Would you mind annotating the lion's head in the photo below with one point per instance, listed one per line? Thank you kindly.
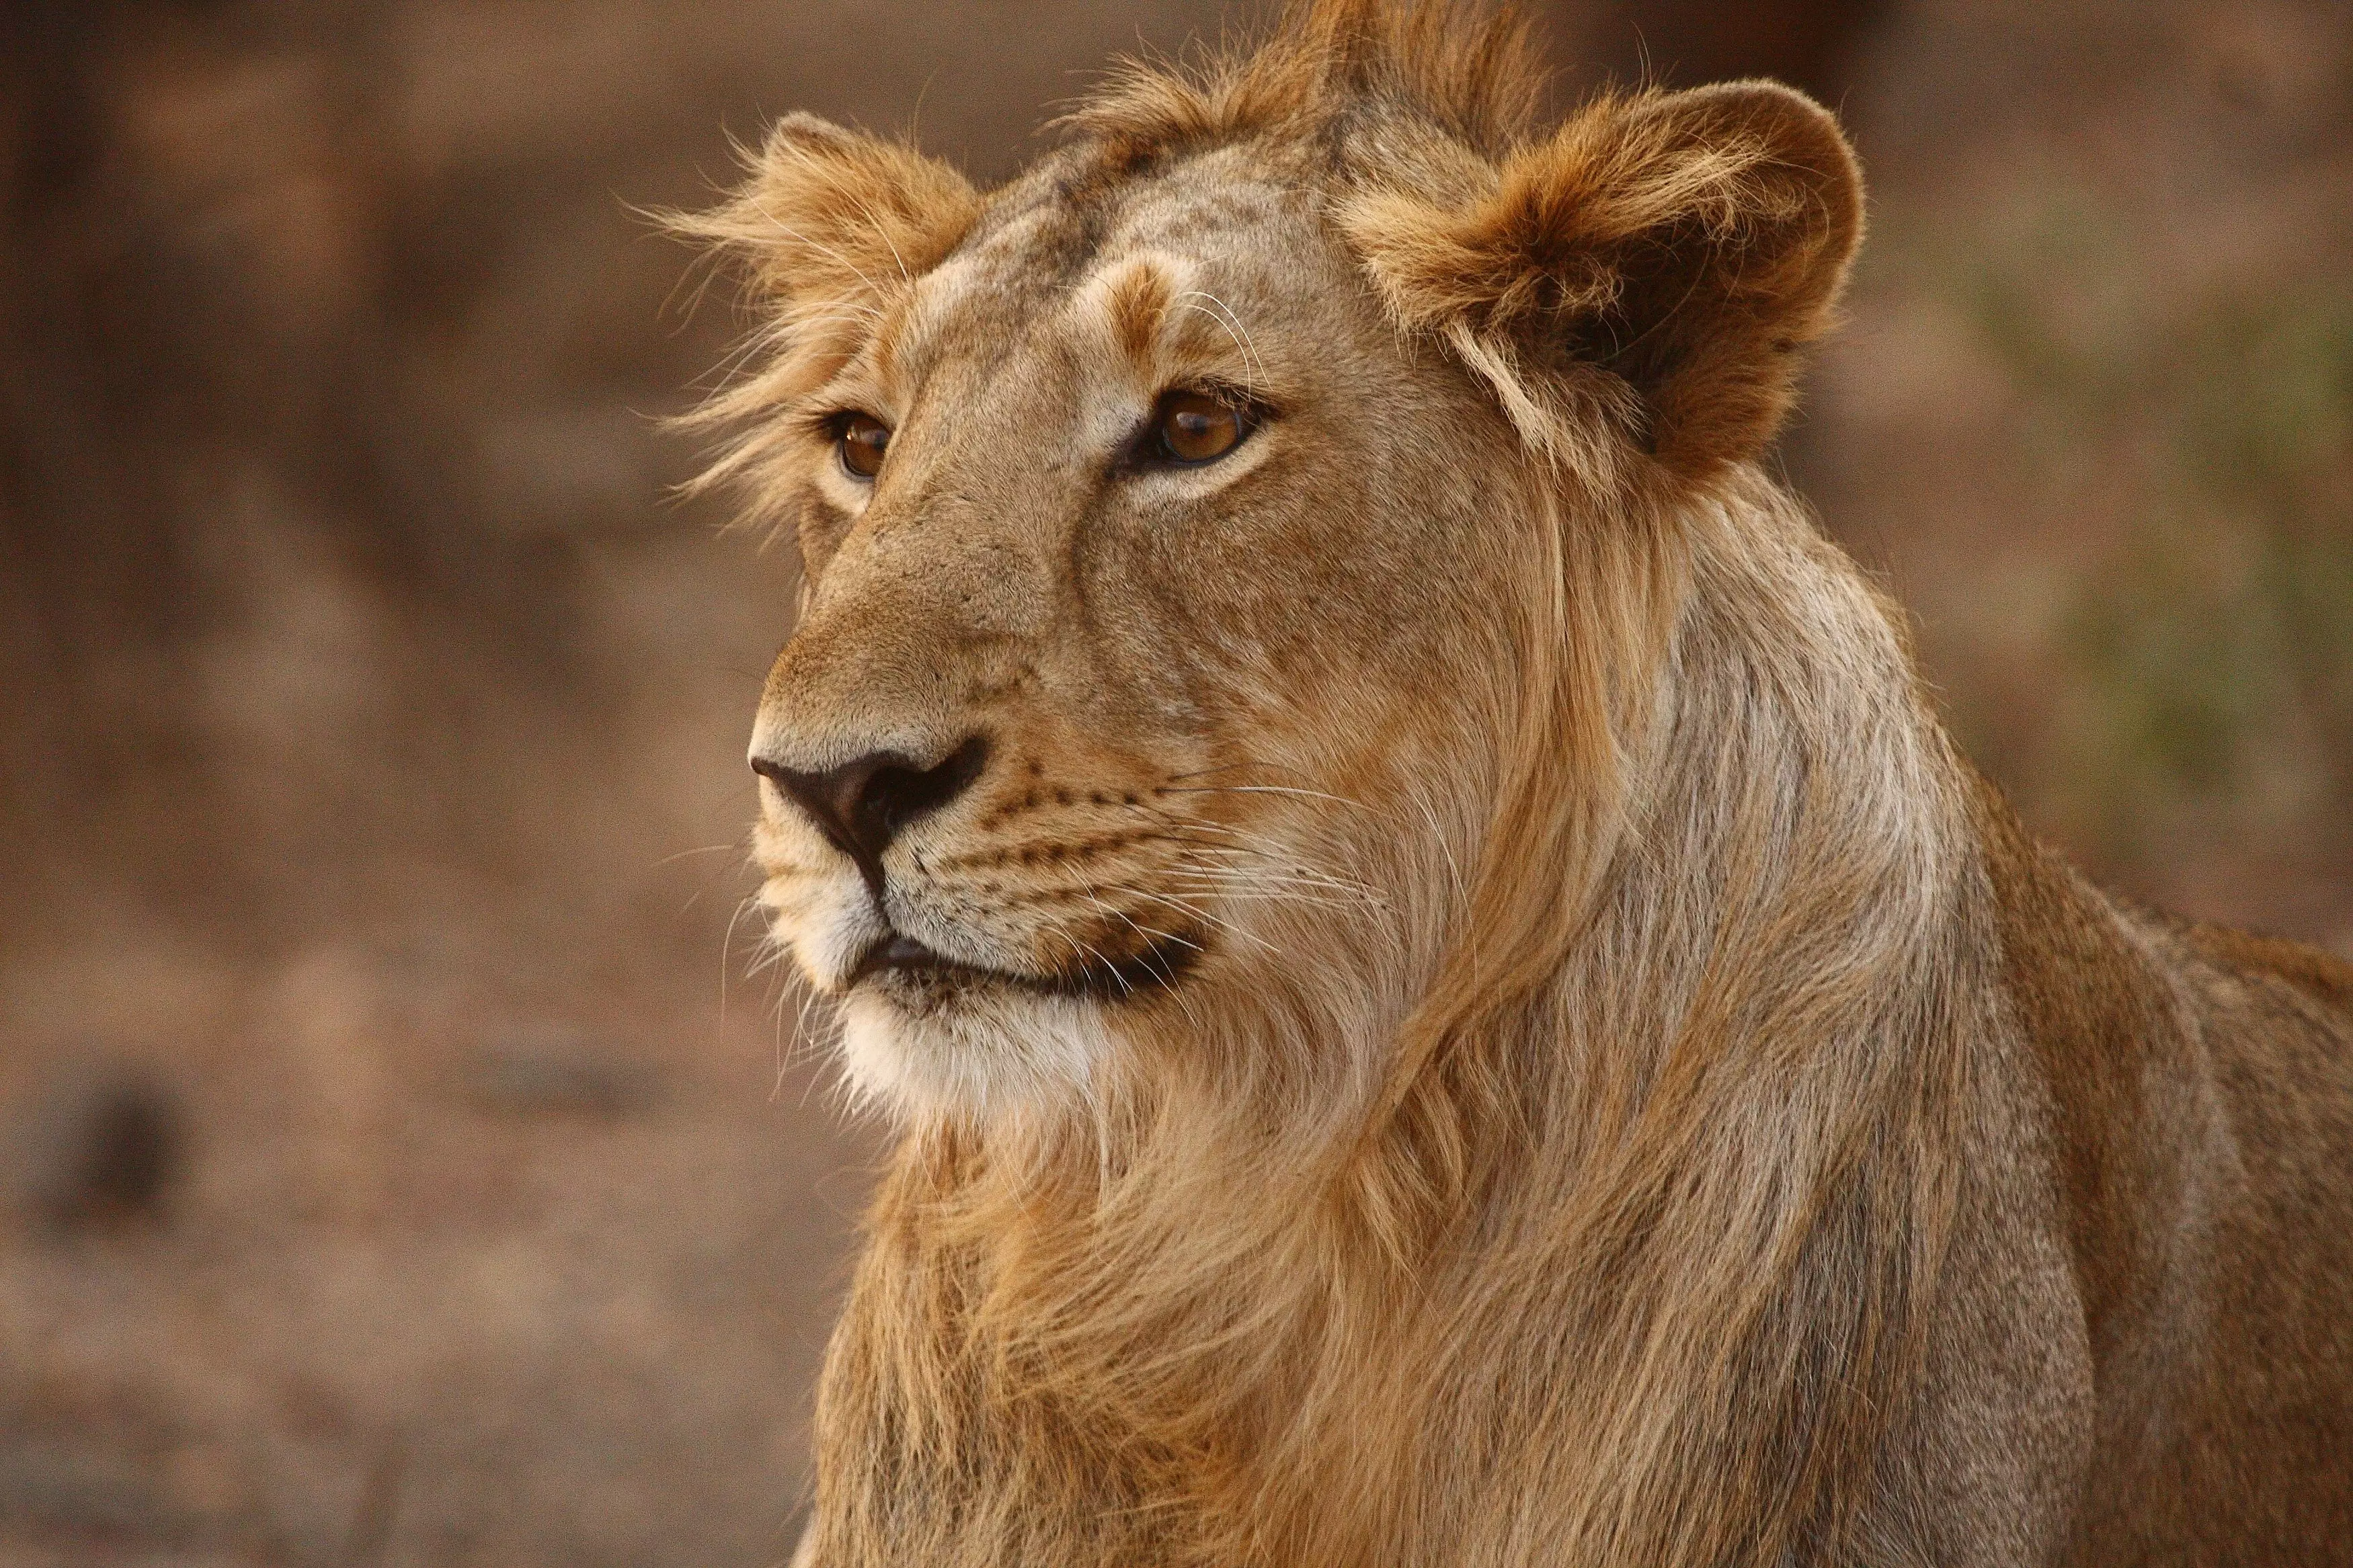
(1237, 551)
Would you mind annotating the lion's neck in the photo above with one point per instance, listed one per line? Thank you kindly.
(1710, 1156)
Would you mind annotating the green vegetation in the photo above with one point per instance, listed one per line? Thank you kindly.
(2202, 439)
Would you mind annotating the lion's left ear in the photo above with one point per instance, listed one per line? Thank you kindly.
(1656, 265)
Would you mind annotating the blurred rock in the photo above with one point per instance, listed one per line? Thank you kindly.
(95, 1471)
(557, 1072)
(103, 1147)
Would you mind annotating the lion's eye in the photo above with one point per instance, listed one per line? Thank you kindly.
(1194, 427)
(864, 439)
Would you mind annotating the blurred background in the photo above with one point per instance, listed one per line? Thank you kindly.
(398, 1162)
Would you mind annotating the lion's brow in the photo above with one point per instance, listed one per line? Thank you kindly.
(1154, 313)
(929, 313)
(1134, 297)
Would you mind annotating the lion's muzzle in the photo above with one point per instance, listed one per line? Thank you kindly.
(863, 805)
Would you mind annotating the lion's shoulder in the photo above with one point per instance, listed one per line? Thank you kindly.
(2314, 972)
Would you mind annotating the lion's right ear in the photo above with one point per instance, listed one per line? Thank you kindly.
(830, 214)
(1652, 271)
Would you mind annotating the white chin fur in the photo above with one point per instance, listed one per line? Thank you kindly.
(987, 1054)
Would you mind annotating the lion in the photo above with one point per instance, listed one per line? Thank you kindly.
(1443, 995)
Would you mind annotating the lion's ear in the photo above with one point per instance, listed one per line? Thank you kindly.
(1656, 264)
(829, 213)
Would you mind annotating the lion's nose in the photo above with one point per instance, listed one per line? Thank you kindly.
(864, 804)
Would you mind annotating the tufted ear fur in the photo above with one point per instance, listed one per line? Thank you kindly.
(831, 228)
(832, 218)
(1652, 269)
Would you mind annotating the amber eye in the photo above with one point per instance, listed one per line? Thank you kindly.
(1192, 428)
(864, 439)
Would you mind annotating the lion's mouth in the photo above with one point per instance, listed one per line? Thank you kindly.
(899, 961)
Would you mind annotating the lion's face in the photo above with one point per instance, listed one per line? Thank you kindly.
(1232, 548)
(1142, 552)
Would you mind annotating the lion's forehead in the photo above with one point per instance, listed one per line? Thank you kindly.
(1047, 267)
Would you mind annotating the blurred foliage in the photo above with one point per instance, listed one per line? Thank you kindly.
(2205, 652)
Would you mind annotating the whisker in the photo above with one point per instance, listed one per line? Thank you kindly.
(726, 950)
(1238, 860)
(1251, 365)
(1186, 908)
(703, 850)
(1268, 789)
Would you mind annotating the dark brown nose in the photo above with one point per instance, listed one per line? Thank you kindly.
(864, 804)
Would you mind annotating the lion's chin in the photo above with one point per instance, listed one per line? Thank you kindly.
(966, 1047)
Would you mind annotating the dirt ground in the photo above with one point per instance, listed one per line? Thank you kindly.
(402, 1160)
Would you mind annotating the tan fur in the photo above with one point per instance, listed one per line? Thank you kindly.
(1628, 1094)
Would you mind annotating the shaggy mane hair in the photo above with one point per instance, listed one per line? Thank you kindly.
(1659, 1172)
(1675, 1110)
(1471, 71)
